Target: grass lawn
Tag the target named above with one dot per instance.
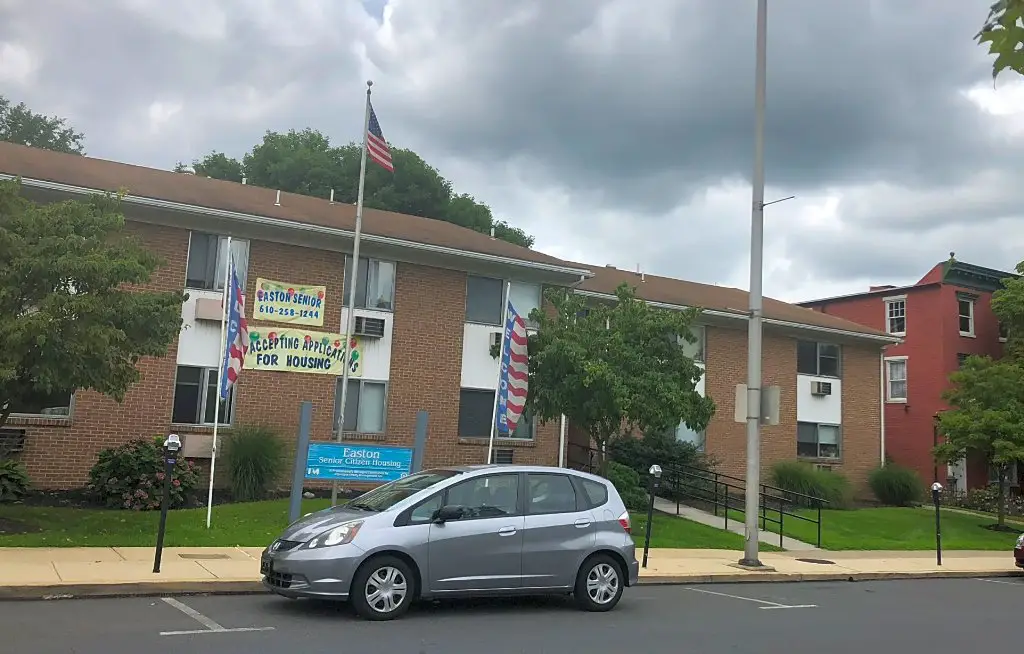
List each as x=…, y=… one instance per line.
x=252, y=524
x=894, y=528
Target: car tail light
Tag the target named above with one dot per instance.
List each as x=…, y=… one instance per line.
x=624, y=521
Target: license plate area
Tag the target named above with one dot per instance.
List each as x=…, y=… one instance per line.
x=266, y=565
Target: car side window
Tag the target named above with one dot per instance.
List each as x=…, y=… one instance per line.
x=425, y=511
x=549, y=493
x=595, y=491
x=486, y=497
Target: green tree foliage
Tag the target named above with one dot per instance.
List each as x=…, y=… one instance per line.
x=305, y=162
x=1004, y=33
x=67, y=313
x=19, y=124
x=612, y=380
x=1008, y=305
x=987, y=416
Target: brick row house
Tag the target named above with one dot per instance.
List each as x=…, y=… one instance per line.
x=940, y=320
x=429, y=304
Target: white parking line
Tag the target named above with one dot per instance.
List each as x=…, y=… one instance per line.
x=765, y=604
x=999, y=581
x=212, y=627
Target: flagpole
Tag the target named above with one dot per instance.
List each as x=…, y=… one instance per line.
x=220, y=379
x=350, y=322
x=497, y=386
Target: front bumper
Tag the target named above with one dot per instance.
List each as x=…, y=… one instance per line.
x=319, y=573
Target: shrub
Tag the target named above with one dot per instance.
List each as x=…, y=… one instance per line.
x=254, y=457
x=985, y=500
x=627, y=482
x=660, y=448
x=13, y=480
x=895, y=485
x=802, y=477
x=131, y=476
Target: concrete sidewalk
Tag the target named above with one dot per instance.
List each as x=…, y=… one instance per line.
x=32, y=573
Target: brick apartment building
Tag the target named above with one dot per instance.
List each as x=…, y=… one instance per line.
x=941, y=320
x=429, y=302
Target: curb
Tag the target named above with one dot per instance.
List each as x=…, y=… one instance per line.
x=171, y=588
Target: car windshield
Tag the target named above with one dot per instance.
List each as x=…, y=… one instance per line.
x=384, y=497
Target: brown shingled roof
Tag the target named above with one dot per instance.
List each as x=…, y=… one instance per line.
x=707, y=296
x=100, y=174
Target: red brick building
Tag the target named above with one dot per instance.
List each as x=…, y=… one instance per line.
x=941, y=320
x=429, y=303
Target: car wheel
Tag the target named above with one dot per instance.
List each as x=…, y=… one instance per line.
x=599, y=584
x=382, y=588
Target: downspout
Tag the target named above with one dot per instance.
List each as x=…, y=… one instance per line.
x=881, y=397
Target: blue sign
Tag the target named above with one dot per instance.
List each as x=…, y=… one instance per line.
x=348, y=462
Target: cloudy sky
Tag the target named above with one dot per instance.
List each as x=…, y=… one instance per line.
x=615, y=131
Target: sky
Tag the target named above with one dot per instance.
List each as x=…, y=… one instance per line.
x=616, y=132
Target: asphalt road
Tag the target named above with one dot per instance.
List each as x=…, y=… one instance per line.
x=935, y=616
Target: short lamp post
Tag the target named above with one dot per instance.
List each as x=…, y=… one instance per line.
x=171, y=448
x=654, y=481
x=936, y=500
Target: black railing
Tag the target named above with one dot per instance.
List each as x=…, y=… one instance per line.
x=716, y=492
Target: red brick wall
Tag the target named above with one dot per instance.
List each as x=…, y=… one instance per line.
x=59, y=452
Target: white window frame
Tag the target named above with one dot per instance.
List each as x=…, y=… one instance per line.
x=527, y=422
x=49, y=416
x=971, y=303
x=359, y=405
x=218, y=281
x=505, y=283
x=365, y=264
x=204, y=387
x=700, y=331
x=889, y=396
x=818, y=426
x=892, y=305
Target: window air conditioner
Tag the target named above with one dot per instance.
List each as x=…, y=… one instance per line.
x=369, y=327
x=821, y=388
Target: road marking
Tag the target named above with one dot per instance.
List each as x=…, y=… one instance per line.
x=212, y=627
x=999, y=581
x=765, y=604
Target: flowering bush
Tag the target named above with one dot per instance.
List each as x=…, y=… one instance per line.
x=132, y=475
x=985, y=499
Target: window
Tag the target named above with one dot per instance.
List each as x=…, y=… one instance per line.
x=595, y=492
x=35, y=403
x=694, y=350
x=896, y=316
x=476, y=408
x=896, y=379
x=817, y=441
x=966, y=316
x=196, y=395
x=208, y=261
x=1004, y=332
x=961, y=358
x=425, y=511
x=1011, y=474
x=684, y=434
x=492, y=496
x=484, y=297
x=375, y=284
x=549, y=493
x=503, y=456
x=525, y=298
x=365, y=406
x=820, y=359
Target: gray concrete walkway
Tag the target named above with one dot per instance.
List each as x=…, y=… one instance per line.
x=711, y=520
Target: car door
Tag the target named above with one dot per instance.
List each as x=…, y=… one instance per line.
x=482, y=550
x=559, y=531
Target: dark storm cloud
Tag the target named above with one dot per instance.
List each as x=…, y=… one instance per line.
x=857, y=91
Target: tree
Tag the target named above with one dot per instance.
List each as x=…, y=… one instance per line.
x=986, y=418
x=1004, y=33
x=18, y=124
x=68, y=313
x=613, y=368
x=1008, y=305
x=305, y=162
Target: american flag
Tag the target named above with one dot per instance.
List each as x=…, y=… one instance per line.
x=237, y=336
x=512, y=382
x=376, y=146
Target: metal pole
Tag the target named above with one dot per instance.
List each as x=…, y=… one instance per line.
x=936, y=493
x=224, y=313
x=750, y=549
x=301, y=461
x=169, y=460
x=652, y=486
x=350, y=323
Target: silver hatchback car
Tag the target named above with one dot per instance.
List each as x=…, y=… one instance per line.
x=461, y=531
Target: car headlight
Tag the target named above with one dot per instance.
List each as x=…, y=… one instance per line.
x=340, y=535
x=1020, y=541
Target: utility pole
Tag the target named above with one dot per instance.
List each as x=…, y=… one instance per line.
x=753, y=480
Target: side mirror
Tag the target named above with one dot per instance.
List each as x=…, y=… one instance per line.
x=449, y=512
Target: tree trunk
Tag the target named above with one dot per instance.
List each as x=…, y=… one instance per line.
x=5, y=412
x=1001, y=511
